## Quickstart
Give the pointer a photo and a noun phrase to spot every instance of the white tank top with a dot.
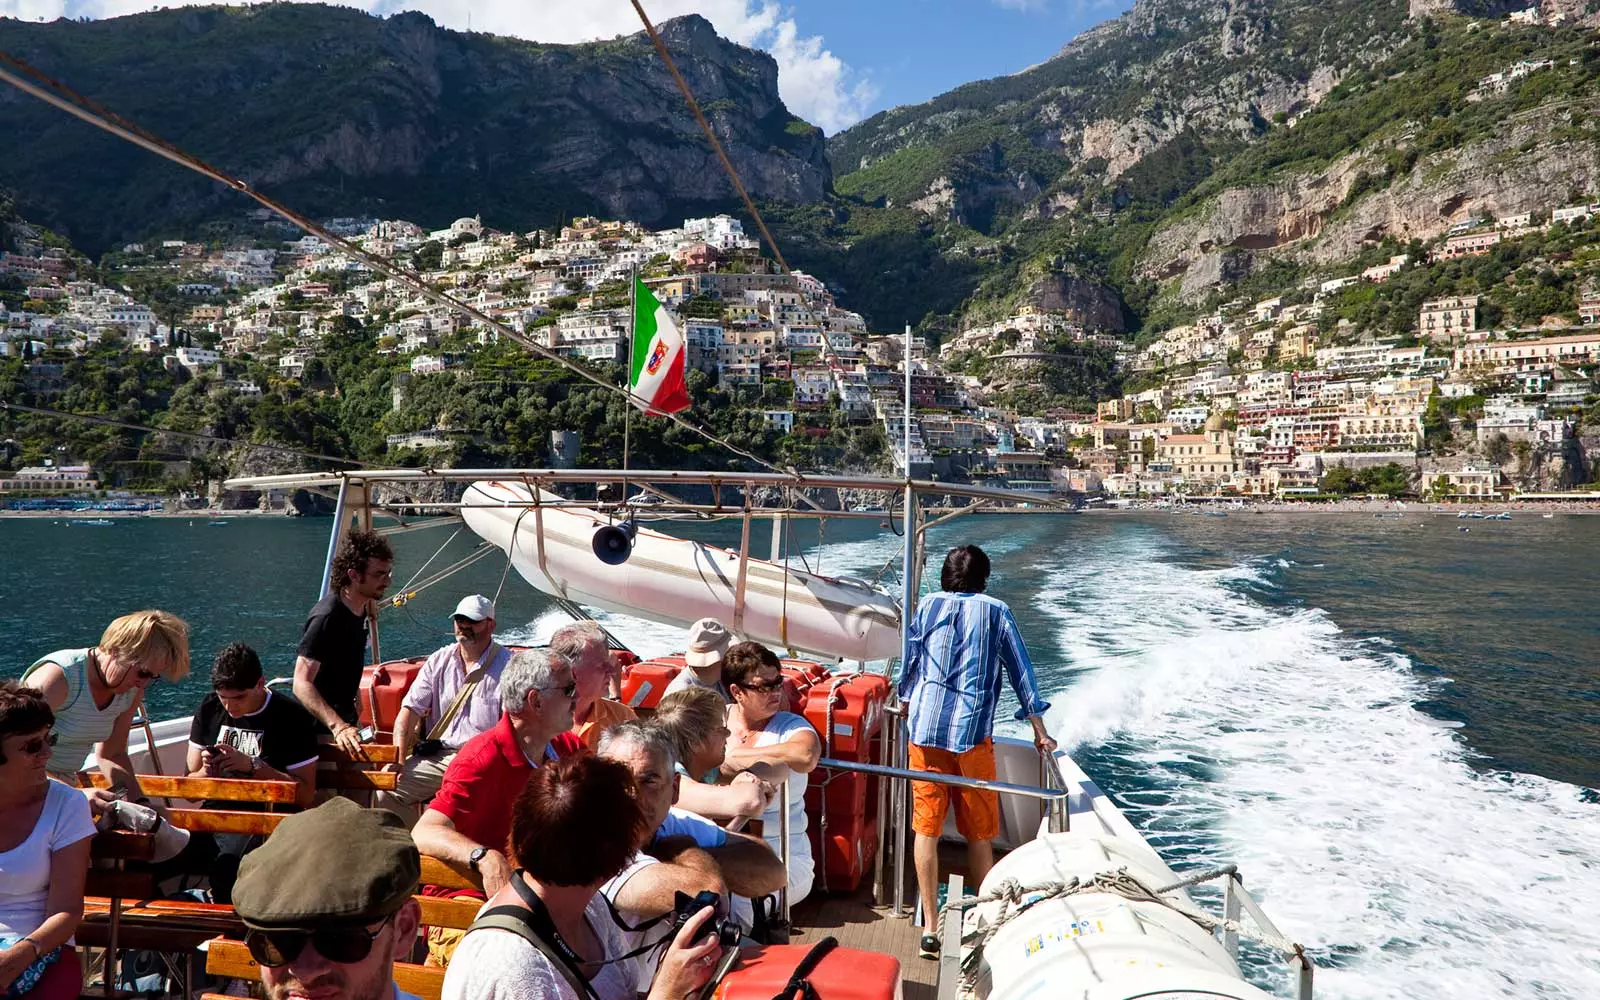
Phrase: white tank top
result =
(79, 724)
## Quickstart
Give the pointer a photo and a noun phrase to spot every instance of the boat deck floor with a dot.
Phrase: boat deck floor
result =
(857, 923)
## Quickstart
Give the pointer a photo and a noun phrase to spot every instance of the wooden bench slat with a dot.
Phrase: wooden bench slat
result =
(198, 789)
(372, 753)
(232, 959)
(226, 821)
(363, 781)
(446, 876)
(440, 911)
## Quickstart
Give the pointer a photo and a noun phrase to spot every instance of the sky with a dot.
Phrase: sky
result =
(839, 61)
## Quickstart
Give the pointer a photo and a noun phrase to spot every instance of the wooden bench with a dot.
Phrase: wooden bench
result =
(269, 793)
(340, 773)
(167, 926)
(232, 959)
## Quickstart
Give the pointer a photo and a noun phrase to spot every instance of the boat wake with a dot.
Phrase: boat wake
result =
(1231, 731)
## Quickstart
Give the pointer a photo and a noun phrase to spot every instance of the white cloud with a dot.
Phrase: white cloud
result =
(1022, 5)
(816, 84)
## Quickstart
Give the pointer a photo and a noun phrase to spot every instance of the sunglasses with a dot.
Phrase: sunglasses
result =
(763, 687)
(344, 945)
(36, 746)
(464, 622)
(570, 691)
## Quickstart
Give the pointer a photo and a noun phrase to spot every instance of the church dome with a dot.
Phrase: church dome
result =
(1214, 423)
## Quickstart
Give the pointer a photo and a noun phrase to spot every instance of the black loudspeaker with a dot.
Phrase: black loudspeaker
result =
(613, 543)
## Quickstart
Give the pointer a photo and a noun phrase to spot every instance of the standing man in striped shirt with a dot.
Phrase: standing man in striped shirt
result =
(961, 639)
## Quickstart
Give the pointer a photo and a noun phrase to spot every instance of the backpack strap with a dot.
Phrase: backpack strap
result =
(515, 920)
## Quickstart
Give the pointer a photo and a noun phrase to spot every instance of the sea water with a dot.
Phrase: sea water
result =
(1390, 725)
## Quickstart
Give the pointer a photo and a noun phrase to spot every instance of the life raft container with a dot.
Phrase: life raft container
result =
(842, 974)
(383, 691)
(843, 805)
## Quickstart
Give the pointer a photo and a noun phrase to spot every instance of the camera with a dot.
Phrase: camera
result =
(685, 906)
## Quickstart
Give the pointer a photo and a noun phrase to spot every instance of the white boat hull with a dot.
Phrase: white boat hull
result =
(678, 581)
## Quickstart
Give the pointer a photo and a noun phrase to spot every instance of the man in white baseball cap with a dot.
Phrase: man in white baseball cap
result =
(455, 697)
(708, 640)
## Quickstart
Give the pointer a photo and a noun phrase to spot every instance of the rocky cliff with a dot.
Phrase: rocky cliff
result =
(1030, 145)
(344, 113)
(1382, 162)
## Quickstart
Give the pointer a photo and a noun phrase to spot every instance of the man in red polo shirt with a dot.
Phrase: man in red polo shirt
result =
(468, 823)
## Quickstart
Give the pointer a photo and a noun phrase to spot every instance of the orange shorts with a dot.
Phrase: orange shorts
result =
(977, 811)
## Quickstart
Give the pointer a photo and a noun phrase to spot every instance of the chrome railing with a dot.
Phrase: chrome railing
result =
(1053, 798)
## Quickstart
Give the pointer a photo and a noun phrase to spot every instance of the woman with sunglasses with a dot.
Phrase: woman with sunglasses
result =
(95, 692)
(44, 855)
(764, 737)
(576, 824)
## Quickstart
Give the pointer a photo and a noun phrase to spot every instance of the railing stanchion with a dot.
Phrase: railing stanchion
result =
(885, 741)
(1231, 910)
(900, 824)
(783, 842)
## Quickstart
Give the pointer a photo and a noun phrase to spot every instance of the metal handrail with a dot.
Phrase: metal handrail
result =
(957, 780)
(783, 842)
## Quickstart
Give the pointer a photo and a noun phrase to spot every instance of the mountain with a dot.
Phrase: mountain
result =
(342, 113)
(1157, 81)
(1188, 144)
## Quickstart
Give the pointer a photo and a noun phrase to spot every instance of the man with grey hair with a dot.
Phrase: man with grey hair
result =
(681, 852)
(468, 823)
(584, 645)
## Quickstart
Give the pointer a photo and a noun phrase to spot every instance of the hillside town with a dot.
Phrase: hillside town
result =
(1251, 399)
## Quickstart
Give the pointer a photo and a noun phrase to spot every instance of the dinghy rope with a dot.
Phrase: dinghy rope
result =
(1016, 899)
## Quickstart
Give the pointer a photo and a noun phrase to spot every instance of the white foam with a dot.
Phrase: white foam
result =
(1277, 742)
(647, 638)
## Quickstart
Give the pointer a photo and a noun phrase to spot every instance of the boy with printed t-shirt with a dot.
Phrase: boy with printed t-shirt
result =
(243, 730)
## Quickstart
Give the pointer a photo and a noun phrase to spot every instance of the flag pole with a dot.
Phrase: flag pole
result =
(627, 365)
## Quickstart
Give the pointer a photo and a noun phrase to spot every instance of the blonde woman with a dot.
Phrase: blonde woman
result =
(95, 692)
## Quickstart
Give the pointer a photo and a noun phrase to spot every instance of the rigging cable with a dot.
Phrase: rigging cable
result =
(733, 175)
(64, 98)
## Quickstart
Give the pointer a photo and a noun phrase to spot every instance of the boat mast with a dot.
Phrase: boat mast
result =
(908, 598)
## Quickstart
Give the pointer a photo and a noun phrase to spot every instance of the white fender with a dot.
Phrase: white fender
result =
(677, 581)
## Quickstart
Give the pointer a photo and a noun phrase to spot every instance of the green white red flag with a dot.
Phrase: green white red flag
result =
(656, 373)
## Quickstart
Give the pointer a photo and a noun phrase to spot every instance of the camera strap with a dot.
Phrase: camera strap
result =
(519, 922)
(469, 684)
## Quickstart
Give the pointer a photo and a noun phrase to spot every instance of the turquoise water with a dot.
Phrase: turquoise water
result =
(1392, 726)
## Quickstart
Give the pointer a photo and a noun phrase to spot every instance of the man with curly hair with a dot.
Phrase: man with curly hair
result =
(332, 651)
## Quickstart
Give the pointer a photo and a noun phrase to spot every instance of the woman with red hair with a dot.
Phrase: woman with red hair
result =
(576, 824)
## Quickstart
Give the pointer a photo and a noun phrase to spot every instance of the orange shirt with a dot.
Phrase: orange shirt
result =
(605, 714)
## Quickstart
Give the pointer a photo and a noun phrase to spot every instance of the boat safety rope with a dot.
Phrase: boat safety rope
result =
(400, 600)
(1016, 899)
(436, 552)
(511, 551)
(64, 98)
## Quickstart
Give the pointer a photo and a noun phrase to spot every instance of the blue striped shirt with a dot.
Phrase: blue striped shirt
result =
(951, 680)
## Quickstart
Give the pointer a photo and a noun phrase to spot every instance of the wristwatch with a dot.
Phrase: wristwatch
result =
(256, 764)
(477, 855)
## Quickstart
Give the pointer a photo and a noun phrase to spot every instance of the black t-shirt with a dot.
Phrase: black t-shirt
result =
(336, 639)
(280, 732)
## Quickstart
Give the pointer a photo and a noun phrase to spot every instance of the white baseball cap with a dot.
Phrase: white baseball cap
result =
(477, 607)
(708, 640)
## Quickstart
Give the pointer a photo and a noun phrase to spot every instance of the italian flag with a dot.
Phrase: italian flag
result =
(656, 378)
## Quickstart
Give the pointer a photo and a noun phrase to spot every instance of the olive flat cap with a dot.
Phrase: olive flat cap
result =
(335, 864)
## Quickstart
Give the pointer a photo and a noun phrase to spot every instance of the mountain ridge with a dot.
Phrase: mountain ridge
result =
(342, 112)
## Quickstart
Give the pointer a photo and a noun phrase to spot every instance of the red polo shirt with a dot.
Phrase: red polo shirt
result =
(484, 779)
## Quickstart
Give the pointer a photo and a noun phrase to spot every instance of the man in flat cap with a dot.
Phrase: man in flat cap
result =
(327, 903)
